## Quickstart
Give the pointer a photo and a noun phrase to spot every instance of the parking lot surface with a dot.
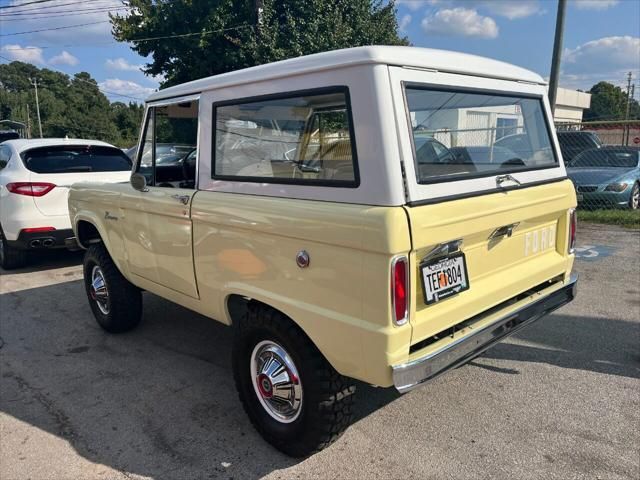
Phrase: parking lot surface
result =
(561, 400)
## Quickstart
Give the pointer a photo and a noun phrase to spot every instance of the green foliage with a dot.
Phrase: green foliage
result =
(69, 106)
(231, 40)
(609, 102)
(623, 218)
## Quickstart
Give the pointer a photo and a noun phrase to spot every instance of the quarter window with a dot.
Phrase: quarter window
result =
(5, 155)
(306, 139)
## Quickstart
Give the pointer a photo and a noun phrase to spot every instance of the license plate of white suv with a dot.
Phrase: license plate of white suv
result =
(444, 277)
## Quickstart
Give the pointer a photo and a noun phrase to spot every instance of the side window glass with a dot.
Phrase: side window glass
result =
(176, 139)
(305, 139)
(145, 166)
(5, 155)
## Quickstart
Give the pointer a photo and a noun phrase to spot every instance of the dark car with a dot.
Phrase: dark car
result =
(573, 143)
(607, 177)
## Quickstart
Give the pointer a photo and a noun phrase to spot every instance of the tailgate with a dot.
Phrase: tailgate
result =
(498, 268)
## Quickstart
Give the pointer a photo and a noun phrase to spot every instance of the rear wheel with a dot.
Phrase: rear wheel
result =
(634, 200)
(115, 302)
(10, 257)
(292, 395)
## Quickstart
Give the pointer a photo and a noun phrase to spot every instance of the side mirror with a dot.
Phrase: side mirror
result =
(139, 182)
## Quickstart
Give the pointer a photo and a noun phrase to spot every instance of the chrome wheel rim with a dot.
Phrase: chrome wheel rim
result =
(98, 290)
(276, 381)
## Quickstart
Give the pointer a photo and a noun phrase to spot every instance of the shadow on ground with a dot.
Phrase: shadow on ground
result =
(160, 401)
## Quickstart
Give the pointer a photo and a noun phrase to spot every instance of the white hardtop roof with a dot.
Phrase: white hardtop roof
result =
(412, 57)
(23, 144)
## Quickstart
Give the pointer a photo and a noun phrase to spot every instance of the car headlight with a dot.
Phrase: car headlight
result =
(616, 187)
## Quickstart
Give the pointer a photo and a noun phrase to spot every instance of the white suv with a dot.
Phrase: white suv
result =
(35, 176)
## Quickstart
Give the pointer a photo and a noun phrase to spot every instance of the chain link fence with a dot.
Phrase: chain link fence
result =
(603, 161)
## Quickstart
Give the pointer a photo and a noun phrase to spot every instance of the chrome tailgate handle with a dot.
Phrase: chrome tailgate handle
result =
(183, 199)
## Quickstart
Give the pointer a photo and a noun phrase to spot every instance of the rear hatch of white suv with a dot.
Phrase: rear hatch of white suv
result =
(53, 169)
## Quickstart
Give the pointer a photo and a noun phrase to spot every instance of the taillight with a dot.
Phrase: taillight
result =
(31, 189)
(400, 290)
(37, 230)
(573, 227)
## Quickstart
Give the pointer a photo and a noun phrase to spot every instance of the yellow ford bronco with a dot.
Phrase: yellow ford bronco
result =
(381, 214)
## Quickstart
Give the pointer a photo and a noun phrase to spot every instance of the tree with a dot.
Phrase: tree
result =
(609, 102)
(232, 37)
(73, 107)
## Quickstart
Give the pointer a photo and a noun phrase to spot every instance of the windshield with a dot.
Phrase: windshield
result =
(72, 159)
(606, 158)
(465, 134)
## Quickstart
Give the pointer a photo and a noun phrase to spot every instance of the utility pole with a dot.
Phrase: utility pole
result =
(34, 82)
(258, 6)
(28, 132)
(557, 54)
(626, 113)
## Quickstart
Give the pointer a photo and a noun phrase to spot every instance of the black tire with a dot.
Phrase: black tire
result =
(11, 258)
(121, 310)
(634, 200)
(327, 397)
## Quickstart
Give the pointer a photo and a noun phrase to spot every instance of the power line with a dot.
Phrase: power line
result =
(26, 3)
(55, 28)
(148, 39)
(52, 8)
(58, 13)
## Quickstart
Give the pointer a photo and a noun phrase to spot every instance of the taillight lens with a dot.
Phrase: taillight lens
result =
(30, 189)
(573, 227)
(400, 290)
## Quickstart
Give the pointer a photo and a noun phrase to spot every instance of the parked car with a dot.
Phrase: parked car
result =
(35, 176)
(343, 254)
(607, 177)
(572, 143)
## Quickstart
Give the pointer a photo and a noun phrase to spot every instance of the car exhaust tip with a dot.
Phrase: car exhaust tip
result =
(48, 242)
(35, 243)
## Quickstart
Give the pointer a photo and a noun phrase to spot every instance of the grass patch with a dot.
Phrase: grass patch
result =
(623, 218)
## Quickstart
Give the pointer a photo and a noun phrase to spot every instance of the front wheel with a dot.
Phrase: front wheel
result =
(634, 199)
(115, 302)
(292, 395)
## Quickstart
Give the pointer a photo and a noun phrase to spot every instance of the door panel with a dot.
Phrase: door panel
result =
(158, 237)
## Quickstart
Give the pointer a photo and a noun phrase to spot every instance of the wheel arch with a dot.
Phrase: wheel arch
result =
(237, 304)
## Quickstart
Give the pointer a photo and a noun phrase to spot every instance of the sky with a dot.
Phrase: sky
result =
(601, 39)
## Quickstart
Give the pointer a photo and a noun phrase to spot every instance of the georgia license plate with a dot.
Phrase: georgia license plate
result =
(444, 277)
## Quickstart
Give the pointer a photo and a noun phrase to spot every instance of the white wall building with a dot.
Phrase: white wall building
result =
(570, 104)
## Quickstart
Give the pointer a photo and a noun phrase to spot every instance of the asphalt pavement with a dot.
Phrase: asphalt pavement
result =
(561, 400)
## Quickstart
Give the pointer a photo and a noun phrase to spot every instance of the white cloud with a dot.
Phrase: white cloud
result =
(608, 58)
(65, 58)
(511, 9)
(125, 87)
(595, 4)
(404, 22)
(415, 5)
(121, 64)
(460, 22)
(25, 54)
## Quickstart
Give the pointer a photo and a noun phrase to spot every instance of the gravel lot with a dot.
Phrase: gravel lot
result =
(559, 401)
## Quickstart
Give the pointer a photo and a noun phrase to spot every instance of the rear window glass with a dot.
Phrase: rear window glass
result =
(75, 159)
(606, 158)
(459, 135)
(306, 139)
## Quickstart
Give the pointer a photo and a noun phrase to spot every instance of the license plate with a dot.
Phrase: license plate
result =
(444, 277)
(579, 197)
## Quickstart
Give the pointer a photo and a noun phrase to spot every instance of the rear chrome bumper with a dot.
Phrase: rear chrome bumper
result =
(410, 375)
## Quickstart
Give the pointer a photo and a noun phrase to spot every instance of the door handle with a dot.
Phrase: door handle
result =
(183, 199)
